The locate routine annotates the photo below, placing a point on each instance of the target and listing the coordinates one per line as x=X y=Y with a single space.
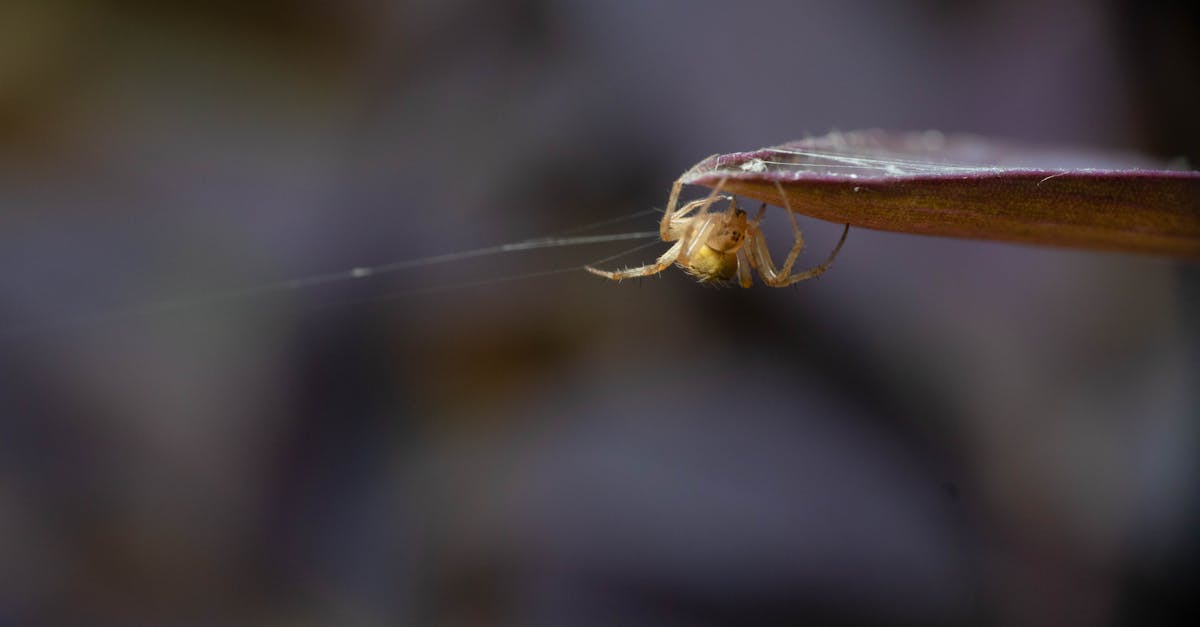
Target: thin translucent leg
x=680 y=216
x=671 y=214
x=745 y=278
x=663 y=263
x=673 y=200
x=664 y=227
x=761 y=257
x=798 y=245
x=695 y=238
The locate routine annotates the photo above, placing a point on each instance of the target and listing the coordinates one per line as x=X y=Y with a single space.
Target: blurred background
x=936 y=432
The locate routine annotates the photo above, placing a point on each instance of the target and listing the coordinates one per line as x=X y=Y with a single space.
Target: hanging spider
x=714 y=247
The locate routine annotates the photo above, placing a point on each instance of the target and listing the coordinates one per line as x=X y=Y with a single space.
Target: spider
x=715 y=247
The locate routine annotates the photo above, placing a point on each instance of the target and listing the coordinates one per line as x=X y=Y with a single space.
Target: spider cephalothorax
x=716 y=247
x=715 y=259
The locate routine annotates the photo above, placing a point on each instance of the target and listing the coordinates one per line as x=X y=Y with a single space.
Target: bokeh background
x=935 y=432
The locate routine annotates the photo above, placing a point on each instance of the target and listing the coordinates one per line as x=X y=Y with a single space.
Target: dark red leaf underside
x=966 y=186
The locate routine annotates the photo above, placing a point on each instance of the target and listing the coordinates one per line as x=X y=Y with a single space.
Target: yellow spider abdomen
x=709 y=265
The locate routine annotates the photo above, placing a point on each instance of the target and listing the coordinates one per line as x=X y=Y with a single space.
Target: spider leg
x=694 y=237
x=762 y=211
x=672 y=217
x=671 y=214
x=664 y=227
x=673 y=200
x=745 y=278
x=760 y=257
x=687 y=242
x=663 y=263
x=794 y=253
x=679 y=222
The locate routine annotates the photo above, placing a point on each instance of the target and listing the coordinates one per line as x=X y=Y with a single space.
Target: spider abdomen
x=711 y=266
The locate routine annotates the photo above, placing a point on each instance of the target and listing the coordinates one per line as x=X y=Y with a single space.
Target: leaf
x=968 y=186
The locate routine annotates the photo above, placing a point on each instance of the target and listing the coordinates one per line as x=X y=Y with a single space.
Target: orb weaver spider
x=715 y=247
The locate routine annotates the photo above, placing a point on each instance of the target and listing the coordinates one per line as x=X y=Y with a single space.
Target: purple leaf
x=967 y=186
